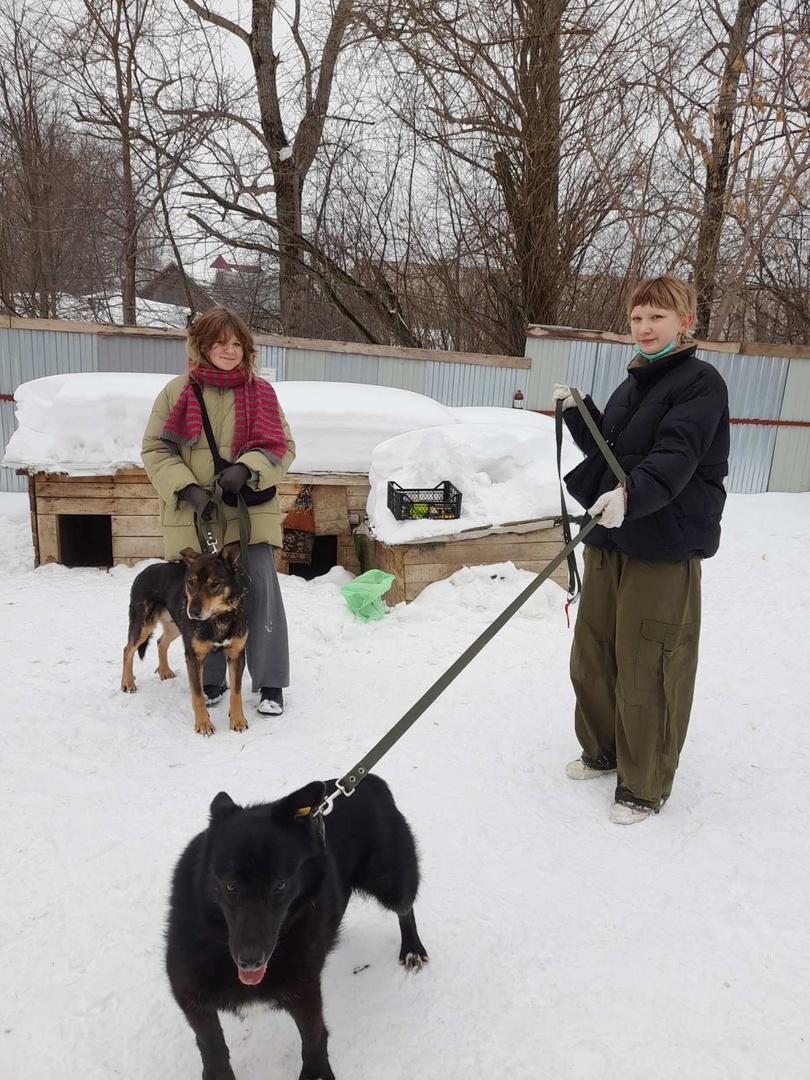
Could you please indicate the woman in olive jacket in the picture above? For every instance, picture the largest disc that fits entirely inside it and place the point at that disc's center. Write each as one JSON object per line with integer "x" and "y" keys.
{"x": 635, "y": 651}
{"x": 252, "y": 434}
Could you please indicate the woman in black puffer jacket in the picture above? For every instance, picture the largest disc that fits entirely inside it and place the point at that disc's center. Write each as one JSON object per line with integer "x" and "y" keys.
{"x": 634, "y": 657}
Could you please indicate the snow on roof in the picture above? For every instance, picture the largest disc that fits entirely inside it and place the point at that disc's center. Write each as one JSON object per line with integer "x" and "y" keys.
{"x": 94, "y": 421}
{"x": 503, "y": 463}
{"x": 103, "y": 308}
{"x": 502, "y": 460}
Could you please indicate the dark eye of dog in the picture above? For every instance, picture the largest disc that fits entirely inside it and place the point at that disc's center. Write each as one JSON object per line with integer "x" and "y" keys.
{"x": 230, "y": 886}
{"x": 279, "y": 886}
{"x": 191, "y": 581}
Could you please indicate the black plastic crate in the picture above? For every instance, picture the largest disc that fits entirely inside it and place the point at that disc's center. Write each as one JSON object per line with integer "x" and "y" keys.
{"x": 442, "y": 502}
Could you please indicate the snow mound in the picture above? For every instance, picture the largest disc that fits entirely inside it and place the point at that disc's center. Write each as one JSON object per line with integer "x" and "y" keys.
{"x": 484, "y": 592}
{"x": 94, "y": 421}
{"x": 505, "y": 471}
{"x": 86, "y": 420}
{"x": 336, "y": 426}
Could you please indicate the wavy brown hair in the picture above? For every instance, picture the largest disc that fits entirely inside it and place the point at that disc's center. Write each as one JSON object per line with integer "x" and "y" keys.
{"x": 669, "y": 293}
{"x": 215, "y": 325}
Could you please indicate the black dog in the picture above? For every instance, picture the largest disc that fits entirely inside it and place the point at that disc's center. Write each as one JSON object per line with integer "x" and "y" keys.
{"x": 257, "y": 901}
{"x": 204, "y": 598}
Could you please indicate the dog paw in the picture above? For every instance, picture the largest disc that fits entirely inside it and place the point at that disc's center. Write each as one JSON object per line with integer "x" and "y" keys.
{"x": 129, "y": 687}
{"x": 203, "y": 726}
{"x": 414, "y": 961}
{"x": 238, "y": 723}
{"x": 166, "y": 674}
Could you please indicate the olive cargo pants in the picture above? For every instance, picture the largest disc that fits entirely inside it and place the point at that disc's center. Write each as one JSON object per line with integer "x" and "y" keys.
{"x": 633, "y": 666}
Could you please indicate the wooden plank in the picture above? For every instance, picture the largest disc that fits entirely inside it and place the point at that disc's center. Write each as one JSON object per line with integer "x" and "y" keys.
{"x": 122, "y": 476}
{"x": 137, "y": 547}
{"x": 346, "y": 555}
{"x": 135, "y": 475}
{"x": 558, "y": 333}
{"x": 93, "y": 488}
{"x": 144, "y": 507}
{"x": 480, "y": 552}
{"x": 536, "y": 536}
{"x": 511, "y": 528}
{"x": 329, "y": 510}
{"x": 35, "y": 538}
{"x": 76, "y": 489}
{"x": 295, "y": 480}
{"x": 130, "y": 525}
{"x": 390, "y": 560}
{"x": 48, "y": 537}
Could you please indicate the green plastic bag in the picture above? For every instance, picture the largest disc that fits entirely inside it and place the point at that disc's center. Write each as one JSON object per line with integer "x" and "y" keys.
{"x": 364, "y": 594}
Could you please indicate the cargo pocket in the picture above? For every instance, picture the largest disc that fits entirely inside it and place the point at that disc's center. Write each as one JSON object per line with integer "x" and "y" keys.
{"x": 657, "y": 647}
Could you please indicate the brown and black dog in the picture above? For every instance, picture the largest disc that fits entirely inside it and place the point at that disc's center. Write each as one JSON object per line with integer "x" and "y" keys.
{"x": 204, "y": 599}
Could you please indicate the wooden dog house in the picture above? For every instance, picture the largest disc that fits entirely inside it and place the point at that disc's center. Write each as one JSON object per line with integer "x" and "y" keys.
{"x": 86, "y": 520}
{"x": 105, "y": 520}
{"x": 530, "y": 545}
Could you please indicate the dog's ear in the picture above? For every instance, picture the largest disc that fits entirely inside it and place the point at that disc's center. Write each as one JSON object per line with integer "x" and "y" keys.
{"x": 222, "y": 806}
{"x": 302, "y": 803}
{"x": 188, "y": 555}
{"x": 232, "y": 554}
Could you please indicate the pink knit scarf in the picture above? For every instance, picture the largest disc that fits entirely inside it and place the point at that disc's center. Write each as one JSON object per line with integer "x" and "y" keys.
{"x": 257, "y": 423}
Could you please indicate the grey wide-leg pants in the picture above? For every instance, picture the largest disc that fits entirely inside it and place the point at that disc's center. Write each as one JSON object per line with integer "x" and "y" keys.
{"x": 268, "y": 649}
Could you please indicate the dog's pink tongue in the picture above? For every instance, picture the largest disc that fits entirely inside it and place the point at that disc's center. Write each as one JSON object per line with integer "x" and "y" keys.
{"x": 252, "y": 978}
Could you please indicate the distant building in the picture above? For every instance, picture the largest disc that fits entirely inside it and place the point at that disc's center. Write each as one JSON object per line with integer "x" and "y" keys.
{"x": 250, "y": 290}
{"x": 173, "y": 286}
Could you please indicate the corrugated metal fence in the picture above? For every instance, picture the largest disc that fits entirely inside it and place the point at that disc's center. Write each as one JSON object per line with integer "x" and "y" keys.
{"x": 769, "y": 398}
{"x": 769, "y": 395}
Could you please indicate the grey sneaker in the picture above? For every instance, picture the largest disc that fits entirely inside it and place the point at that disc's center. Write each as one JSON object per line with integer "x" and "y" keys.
{"x": 578, "y": 770}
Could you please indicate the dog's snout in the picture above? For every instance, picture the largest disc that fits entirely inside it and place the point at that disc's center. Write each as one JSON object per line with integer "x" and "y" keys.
{"x": 251, "y": 959}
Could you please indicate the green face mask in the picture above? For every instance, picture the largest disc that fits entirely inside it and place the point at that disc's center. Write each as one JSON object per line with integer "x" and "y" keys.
{"x": 655, "y": 356}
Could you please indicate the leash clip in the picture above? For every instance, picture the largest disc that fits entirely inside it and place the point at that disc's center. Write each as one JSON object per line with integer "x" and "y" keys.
{"x": 326, "y": 807}
{"x": 210, "y": 541}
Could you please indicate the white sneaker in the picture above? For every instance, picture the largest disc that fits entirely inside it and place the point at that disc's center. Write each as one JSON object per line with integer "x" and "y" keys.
{"x": 622, "y": 814}
{"x": 272, "y": 701}
{"x": 578, "y": 770}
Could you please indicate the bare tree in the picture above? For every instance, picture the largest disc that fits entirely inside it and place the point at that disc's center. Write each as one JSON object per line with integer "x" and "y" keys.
{"x": 288, "y": 142}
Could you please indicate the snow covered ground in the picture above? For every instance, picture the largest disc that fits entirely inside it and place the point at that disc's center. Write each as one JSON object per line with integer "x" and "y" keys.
{"x": 562, "y": 946}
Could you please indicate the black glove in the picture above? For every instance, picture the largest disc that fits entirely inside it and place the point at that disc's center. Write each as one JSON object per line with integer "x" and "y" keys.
{"x": 233, "y": 478}
{"x": 198, "y": 499}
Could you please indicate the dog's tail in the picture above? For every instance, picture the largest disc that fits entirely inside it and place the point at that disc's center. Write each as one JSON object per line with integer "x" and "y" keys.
{"x": 142, "y": 648}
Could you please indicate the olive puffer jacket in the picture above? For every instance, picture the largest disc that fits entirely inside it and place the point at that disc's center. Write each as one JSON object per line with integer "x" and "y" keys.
{"x": 171, "y": 468}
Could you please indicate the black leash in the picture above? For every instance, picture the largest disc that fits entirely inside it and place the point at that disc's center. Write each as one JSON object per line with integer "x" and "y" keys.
{"x": 347, "y": 784}
{"x": 205, "y": 531}
{"x": 574, "y": 581}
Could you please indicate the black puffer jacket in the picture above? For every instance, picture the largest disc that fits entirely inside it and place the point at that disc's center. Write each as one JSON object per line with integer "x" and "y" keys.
{"x": 668, "y": 426}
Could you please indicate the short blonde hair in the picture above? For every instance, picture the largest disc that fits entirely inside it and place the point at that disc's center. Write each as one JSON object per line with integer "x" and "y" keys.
{"x": 669, "y": 293}
{"x": 213, "y": 326}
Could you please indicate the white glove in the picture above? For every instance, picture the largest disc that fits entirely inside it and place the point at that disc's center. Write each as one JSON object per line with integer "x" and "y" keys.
{"x": 562, "y": 393}
{"x": 610, "y": 508}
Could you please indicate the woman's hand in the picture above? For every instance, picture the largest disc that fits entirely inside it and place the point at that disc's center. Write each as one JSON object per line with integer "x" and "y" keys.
{"x": 562, "y": 393}
{"x": 198, "y": 499}
{"x": 233, "y": 478}
{"x": 610, "y": 508}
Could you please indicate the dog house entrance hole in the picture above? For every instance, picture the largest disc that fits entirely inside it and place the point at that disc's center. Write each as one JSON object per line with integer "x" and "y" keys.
{"x": 324, "y": 557}
{"x": 85, "y": 539}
